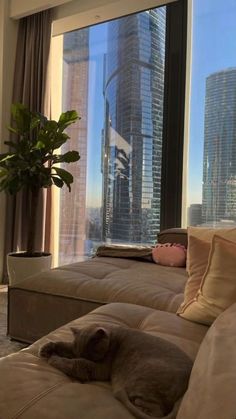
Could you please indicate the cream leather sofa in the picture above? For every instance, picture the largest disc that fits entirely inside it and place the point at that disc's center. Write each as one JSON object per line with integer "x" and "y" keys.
{"x": 46, "y": 301}
{"x": 31, "y": 389}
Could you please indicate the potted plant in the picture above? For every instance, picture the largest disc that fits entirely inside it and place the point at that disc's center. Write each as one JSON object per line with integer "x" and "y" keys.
{"x": 34, "y": 164}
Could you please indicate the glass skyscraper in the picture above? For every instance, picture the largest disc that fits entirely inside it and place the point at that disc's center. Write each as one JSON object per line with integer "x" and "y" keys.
{"x": 219, "y": 161}
{"x": 132, "y": 137}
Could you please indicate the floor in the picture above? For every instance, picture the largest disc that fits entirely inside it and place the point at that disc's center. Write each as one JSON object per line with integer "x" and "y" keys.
{"x": 6, "y": 345}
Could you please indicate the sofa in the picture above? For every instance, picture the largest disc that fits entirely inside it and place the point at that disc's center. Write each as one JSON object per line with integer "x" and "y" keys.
{"x": 31, "y": 388}
{"x": 46, "y": 301}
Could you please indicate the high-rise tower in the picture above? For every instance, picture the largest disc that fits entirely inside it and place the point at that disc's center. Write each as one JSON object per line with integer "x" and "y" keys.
{"x": 219, "y": 161}
{"x": 132, "y": 137}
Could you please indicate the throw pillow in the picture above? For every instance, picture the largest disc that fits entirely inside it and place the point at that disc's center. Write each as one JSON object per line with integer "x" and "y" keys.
{"x": 218, "y": 286}
{"x": 206, "y": 234}
{"x": 199, "y": 251}
{"x": 169, "y": 254}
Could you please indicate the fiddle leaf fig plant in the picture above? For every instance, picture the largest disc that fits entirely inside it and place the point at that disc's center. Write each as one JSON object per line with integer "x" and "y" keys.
{"x": 34, "y": 159}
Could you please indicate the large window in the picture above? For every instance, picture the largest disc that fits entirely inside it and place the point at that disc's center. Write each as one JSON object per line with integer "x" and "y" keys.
{"x": 113, "y": 75}
{"x": 212, "y": 148}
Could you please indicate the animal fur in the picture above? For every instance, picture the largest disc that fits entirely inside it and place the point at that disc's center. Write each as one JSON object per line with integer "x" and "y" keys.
{"x": 149, "y": 375}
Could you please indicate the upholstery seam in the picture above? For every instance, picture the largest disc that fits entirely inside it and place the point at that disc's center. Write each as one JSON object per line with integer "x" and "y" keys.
{"x": 35, "y": 399}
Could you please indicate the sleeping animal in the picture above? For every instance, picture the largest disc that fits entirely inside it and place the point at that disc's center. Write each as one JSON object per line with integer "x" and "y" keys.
{"x": 148, "y": 374}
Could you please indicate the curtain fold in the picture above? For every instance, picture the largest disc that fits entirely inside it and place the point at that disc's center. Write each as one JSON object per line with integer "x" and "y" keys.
{"x": 30, "y": 88}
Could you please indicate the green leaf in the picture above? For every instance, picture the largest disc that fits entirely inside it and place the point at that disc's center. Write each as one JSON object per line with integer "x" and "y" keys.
{"x": 11, "y": 144}
{"x": 69, "y": 157}
{"x": 39, "y": 145}
{"x": 6, "y": 157}
{"x": 35, "y": 121}
{"x": 68, "y": 118}
{"x": 59, "y": 140}
{"x": 51, "y": 126}
{"x": 22, "y": 117}
{"x": 57, "y": 181}
{"x": 11, "y": 129}
{"x": 65, "y": 176}
{"x": 3, "y": 172}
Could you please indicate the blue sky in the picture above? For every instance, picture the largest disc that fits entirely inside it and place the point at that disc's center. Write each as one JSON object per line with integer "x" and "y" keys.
{"x": 97, "y": 48}
{"x": 213, "y": 49}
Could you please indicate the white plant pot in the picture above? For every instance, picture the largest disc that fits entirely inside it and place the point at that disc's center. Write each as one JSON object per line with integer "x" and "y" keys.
{"x": 20, "y": 267}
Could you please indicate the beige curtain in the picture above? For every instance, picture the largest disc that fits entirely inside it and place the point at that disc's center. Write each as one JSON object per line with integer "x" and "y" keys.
{"x": 30, "y": 88}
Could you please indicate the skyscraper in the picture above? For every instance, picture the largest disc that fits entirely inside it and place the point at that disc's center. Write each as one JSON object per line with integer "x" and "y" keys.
{"x": 195, "y": 214}
{"x": 132, "y": 135}
{"x": 73, "y": 205}
{"x": 219, "y": 161}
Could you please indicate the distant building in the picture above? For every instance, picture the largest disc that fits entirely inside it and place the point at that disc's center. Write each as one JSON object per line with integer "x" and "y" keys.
{"x": 72, "y": 233}
{"x": 132, "y": 135}
{"x": 195, "y": 215}
{"x": 219, "y": 162}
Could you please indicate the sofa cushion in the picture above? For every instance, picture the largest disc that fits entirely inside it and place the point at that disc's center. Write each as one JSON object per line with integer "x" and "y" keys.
{"x": 207, "y": 234}
{"x": 218, "y": 286}
{"x": 57, "y": 296}
{"x": 199, "y": 251}
{"x": 30, "y": 388}
{"x": 173, "y": 235}
{"x": 211, "y": 391}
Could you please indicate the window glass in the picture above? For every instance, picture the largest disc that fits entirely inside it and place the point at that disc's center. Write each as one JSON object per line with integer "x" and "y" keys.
{"x": 113, "y": 75}
{"x": 212, "y": 148}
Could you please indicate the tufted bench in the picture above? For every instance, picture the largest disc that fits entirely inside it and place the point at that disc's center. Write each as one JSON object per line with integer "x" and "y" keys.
{"x": 45, "y": 301}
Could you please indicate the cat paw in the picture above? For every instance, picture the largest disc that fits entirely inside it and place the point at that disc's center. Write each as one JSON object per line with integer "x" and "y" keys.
{"x": 54, "y": 361}
{"x": 139, "y": 403}
{"x": 47, "y": 350}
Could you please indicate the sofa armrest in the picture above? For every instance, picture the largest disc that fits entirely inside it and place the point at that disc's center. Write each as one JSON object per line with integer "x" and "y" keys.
{"x": 173, "y": 235}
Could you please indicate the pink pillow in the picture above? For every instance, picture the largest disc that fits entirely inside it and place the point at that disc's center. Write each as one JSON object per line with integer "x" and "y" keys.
{"x": 169, "y": 254}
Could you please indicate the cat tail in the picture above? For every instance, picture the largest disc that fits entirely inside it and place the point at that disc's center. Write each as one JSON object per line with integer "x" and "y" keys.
{"x": 122, "y": 396}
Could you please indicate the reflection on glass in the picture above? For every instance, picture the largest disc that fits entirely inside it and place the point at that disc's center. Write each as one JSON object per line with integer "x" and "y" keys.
{"x": 212, "y": 156}
{"x": 113, "y": 74}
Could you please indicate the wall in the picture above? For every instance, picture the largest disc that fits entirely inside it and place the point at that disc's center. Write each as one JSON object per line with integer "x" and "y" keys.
{"x": 77, "y": 14}
{"x": 20, "y": 8}
{"x": 8, "y": 37}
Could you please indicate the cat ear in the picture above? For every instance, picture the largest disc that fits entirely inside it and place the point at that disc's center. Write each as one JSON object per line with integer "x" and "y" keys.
{"x": 100, "y": 333}
{"x": 99, "y": 343}
{"x": 75, "y": 331}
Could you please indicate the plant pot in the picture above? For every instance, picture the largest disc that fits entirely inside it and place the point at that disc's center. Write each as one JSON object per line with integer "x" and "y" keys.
{"x": 20, "y": 266}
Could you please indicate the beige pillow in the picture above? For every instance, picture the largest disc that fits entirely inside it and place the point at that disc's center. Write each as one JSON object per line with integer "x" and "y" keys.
{"x": 218, "y": 286}
{"x": 199, "y": 251}
{"x": 206, "y": 234}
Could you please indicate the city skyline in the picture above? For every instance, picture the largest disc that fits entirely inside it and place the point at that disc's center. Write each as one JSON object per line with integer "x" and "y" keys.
{"x": 212, "y": 50}
{"x": 114, "y": 75}
{"x": 94, "y": 103}
{"x": 219, "y": 161}
{"x": 133, "y": 97}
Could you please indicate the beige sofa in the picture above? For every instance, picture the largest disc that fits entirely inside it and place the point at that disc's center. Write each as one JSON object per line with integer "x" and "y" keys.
{"x": 48, "y": 300}
{"x": 30, "y": 388}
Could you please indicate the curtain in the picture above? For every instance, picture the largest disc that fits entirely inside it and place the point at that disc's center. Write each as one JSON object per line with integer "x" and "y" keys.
{"x": 30, "y": 88}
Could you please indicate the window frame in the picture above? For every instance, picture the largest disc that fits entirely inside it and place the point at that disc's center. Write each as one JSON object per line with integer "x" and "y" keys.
{"x": 174, "y": 115}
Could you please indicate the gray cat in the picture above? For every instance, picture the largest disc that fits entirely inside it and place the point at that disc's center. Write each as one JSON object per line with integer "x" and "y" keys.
{"x": 149, "y": 375}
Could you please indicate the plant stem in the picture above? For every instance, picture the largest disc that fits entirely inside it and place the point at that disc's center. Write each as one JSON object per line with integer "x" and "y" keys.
{"x": 32, "y": 220}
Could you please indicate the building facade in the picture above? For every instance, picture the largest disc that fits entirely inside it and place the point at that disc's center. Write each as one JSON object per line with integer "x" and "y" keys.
{"x": 195, "y": 215}
{"x": 72, "y": 232}
{"x": 219, "y": 161}
{"x": 132, "y": 136}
